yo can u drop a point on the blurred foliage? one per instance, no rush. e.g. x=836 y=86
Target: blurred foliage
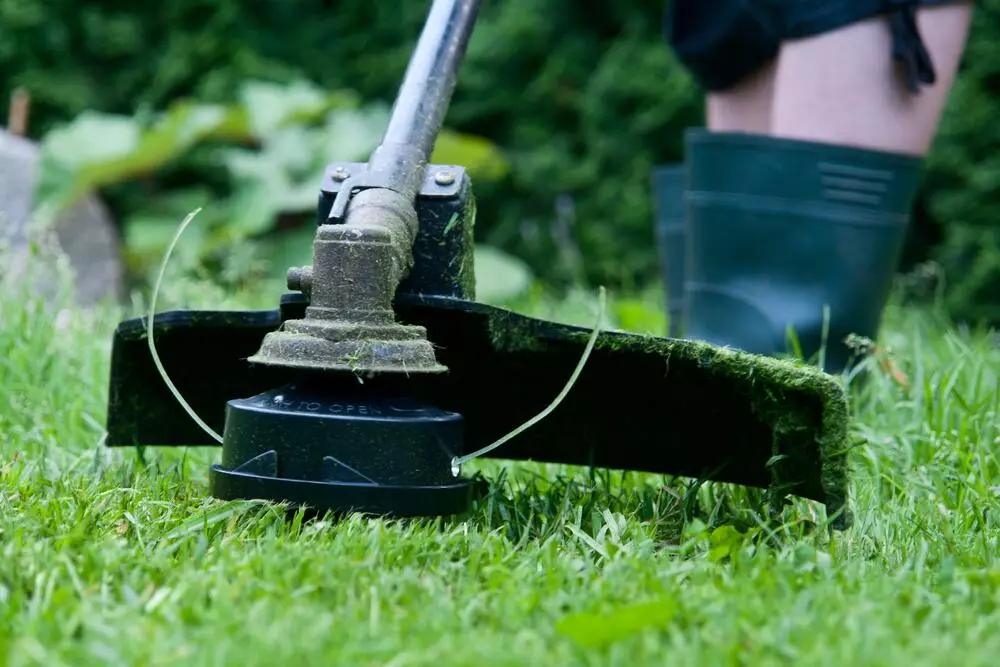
x=543 y=78
x=584 y=97
x=963 y=178
x=271 y=145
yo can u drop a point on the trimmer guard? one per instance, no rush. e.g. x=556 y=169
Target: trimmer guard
x=642 y=403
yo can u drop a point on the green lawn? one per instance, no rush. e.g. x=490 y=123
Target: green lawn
x=106 y=560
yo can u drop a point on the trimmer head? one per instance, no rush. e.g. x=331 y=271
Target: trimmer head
x=379 y=367
x=365 y=448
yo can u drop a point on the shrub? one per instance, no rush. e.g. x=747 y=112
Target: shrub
x=584 y=97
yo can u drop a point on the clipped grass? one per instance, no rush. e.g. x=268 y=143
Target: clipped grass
x=106 y=558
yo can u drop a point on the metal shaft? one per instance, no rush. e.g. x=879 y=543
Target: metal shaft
x=424 y=96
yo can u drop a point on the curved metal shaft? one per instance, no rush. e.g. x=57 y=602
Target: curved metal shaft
x=424 y=96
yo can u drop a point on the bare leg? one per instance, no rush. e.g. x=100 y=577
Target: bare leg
x=746 y=107
x=840 y=87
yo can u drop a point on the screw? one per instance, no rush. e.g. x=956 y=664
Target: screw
x=340 y=174
x=300 y=279
x=444 y=178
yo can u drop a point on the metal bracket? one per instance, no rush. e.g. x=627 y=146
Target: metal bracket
x=440 y=182
x=443 y=249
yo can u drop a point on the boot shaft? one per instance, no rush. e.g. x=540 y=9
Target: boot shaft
x=791 y=235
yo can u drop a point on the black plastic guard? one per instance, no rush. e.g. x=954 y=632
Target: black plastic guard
x=642 y=403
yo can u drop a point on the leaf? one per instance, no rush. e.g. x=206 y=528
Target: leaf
x=56 y=184
x=96 y=150
x=92 y=137
x=251 y=212
x=179 y=129
x=481 y=158
x=183 y=125
x=351 y=135
x=589 y=541
x=595 y=630
x=499 y=276
x=720 y=552
x=286 y=249
x=695 y=529
x=233 y=127
x=271 y=106
x=725 y=541
x=726 y=534
x=281 y=178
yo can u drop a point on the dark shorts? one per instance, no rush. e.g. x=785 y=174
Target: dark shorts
x=723 y=41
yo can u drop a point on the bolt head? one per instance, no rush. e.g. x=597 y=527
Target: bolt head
x=444 y=177
x=299 y=278
x=340 y=174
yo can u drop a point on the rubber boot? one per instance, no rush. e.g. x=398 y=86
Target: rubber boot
x=669 y=182
x=779 y=229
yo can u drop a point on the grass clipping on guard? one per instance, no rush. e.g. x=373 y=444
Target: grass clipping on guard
x=774 y=423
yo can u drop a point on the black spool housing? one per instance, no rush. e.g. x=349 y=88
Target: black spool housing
x=343 y=451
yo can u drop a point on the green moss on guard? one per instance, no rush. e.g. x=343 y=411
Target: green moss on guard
x=775 y=389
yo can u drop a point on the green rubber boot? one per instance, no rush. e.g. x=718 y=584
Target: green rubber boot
x=668 y=205
x=779 y=229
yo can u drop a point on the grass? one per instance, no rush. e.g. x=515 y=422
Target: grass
x=106 y=559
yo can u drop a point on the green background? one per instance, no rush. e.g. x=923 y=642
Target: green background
x=582 y=97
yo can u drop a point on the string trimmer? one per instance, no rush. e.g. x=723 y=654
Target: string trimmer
x=379 y=371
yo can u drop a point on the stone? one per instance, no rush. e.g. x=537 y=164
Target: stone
x=84 y=232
